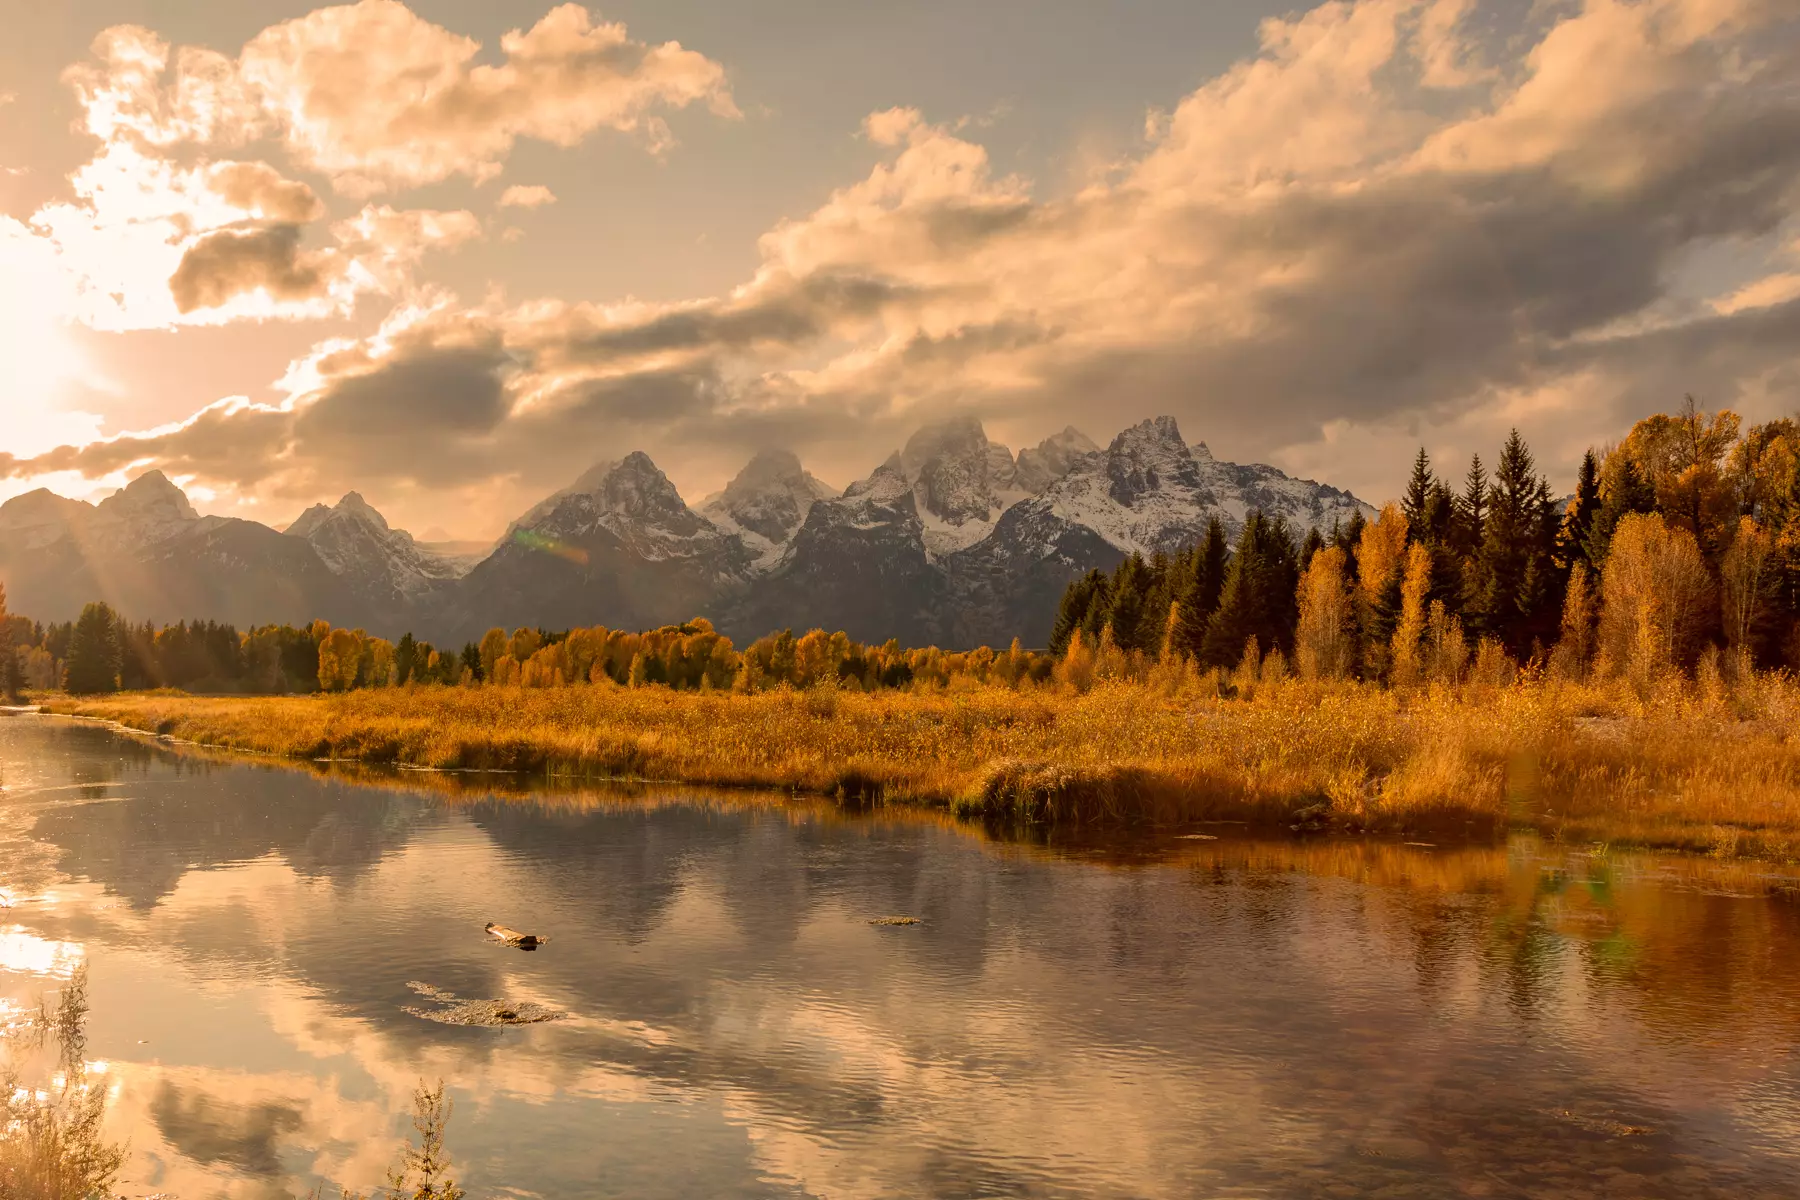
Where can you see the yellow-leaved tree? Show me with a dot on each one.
(1654, 589)
(1324, 642)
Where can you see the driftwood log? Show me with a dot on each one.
(513, 937)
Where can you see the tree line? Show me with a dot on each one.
(100, 652)
(1679, 544)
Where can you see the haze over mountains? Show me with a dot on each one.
(954, 540)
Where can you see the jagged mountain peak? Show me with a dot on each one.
(767, 502)
(1151, 436)
(1150, 459)
(151, 497)
(352, 507)
(631, 487)
(885, 483)
(958, 435)
(961, 481)
(1042, 465)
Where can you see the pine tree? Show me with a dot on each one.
(1626, 491)
(404, 652)
(1314, 543)
(1258, 599)
(11, 675)
(1515, 596)
(1416, 502)
(1471, 510)
(1578, 521)
(1071, 614)
(1348, 538)
(471, 660)
(1125, 613)
(1200, 599)
(93, 662)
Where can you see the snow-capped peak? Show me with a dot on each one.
(1150, 458)
(636, 503)
(766, 503)
(150, 503)
(356, 543)
(1042, 465)
(961, 481)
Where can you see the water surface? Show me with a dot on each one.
(1163, 1017)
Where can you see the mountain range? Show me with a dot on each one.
(954, 540)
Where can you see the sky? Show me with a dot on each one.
(451, 253)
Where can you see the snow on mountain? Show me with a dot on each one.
(951, 540)
(765, 505)
(1146, 492)
(149, 506)
(39, 518)
(636, 503)
(1305, 504)
(858, 563)
(1040, 466)
(149, 554)
(962, 482)
(619, 547)
(385, 566)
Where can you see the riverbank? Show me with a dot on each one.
(1681, 769)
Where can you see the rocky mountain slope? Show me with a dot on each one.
(385, 567)
(618, 548)
(766, 504)
(149, 554)
(953, 540)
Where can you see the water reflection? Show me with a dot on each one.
(1155, 1018)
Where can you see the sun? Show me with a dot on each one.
(43, 366)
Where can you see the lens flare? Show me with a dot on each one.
(550, 545)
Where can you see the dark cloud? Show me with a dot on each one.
(230, 442)
(230, 262)
(217, 1132)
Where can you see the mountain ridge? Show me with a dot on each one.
(952, 540)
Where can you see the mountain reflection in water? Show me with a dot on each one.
(1145, 1017)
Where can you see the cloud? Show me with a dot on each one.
(219, 266)
(377, 97)
(162, 228)
(526, 196)
(258, 189)
(1376, 231)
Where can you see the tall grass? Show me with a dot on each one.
(51, 1142)
(1682, 765)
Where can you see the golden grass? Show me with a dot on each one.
(1679, 769)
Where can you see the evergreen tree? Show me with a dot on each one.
(1626, 492)
(1128, 605)
(1314, 543)
(1578, 521)
(404, 653)
(1471, 510)
(93, 660)
(1514, 594)
(471, 659)
(11, 676)
(1200, 598)
(1415, 504)
(1072, 613)
(1259, 596)
(1348, 538)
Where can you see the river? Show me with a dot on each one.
(1154, 1016)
